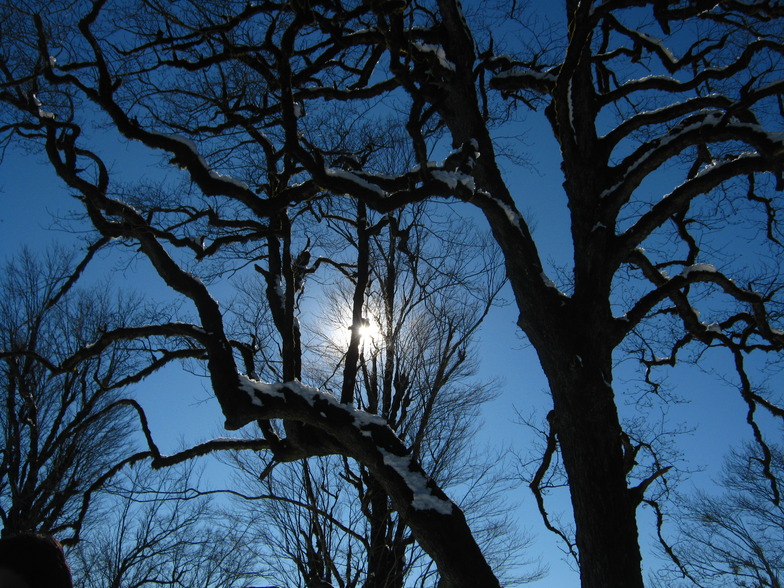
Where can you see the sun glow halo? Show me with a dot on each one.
(368, 330)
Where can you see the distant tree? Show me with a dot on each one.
(736, 537)
(154, 530)
(62, 430)
(668, 116)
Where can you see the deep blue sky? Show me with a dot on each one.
(182, 412)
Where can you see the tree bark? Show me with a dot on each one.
(589, 435)
(577, 361)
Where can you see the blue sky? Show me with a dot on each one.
(31, 199)
(183, 412)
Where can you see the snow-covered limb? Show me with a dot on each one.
(450, 177)
(194, 154)
(424, 499)
(438, 52)
(519, 78)
(712, 125)
(671, 84)
(673, 289)
(703, 182)
(361, 182)
(328, 413)
(42, 113)
(697, 267)
(453, 179)
(512, 75)
(329, 427)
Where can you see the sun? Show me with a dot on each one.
(368, 330)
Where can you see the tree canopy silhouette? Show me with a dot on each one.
(668, 116)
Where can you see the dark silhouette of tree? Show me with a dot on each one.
(69, 427)
(328, 519)
(63, 430)
(736, 536)
(154, 530)
(668, 119)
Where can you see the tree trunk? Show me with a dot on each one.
(385, 556)
(589, 434)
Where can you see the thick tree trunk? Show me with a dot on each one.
(589, 434)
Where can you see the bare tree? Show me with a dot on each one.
(155, 530)
(668, 119)
(736, 536)
(62, 430)
(418, 302)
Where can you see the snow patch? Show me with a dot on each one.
(453, 178)
(229, 179)
(658, 42)
(192, 147)
(697, 267)
(513, 216)
(439, 52)
(253, 386)
(423, 498)
(520, 72)
(42, 113)
(571, 109)
(547, 281)
(417, 483)
(363, 419)
(347, 175)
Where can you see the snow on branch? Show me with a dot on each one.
(697, 267)
(451, 177)
(675, 289)
(438, 52)
(671, 84)
(356, 430)
(359, 181)
(703, 182)
(184, 157)
(514, 76)
(706, 126)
